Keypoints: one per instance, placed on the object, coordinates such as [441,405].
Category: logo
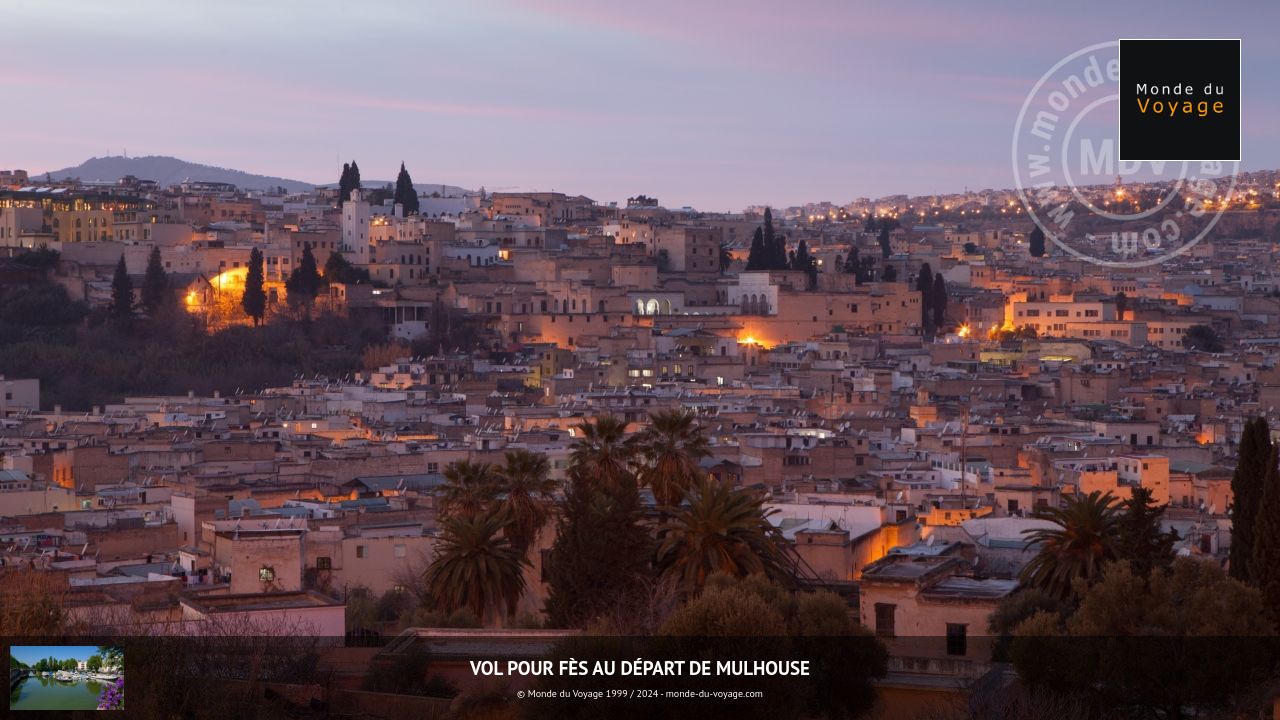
[1085,199]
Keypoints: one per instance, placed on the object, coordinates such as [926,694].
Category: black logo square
[1180,100]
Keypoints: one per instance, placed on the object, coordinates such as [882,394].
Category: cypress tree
[1036,242]
[939,300]
[1141,541]
[355,176]
[601,555]
[254,300]
[304,282]
[889,274]
[121,307]
[155,284]
[1246,488]
[1265,564]
[405,195]
[344,183]
[924,285]
[885,249]
[775,247]
[756,259]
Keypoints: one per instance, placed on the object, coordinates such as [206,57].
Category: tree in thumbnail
[304,283]
[1266,541]
[254,300]
[720,529]
[1246,489]
[938,300]
[155,284]
[526,496]
[671,448]
[1035,242]
[476,567]
[121,307]
[406,196]
[94,663]
[1083,541]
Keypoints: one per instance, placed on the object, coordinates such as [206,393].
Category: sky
[708,103]
[29,654]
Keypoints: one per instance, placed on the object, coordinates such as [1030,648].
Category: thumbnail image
[66,677]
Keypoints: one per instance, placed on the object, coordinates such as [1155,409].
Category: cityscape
[362,445]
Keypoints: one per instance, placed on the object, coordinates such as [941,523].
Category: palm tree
[1083,541]
[476,566]
[526,495]
[469,488]
[671,447]
[720,529]
[602,454]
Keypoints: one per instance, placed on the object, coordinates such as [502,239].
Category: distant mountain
[168,171]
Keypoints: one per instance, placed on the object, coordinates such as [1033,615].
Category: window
[360,551]
[957,639]
[324,563]
[884,619]
[267,574]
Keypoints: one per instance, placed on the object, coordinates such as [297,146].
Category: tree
[406,196]
[885,248]
[889,274]
[1266,541]
[1189,637]
[602,455]
[1246,489]
[970,249]
[756,258]
[469,488]
[1203,338]
[775,246]
[1035,242]
[1140,540]
[526,495]
[254,299]
[121,307]
[1083,541]
[155,284]
[349,181]
[924,285]
[938,299]
[476,567]
[721,529]
[304,282]
[602,555]
[671,447]
[726,258]
[1122,302]
[337,269]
